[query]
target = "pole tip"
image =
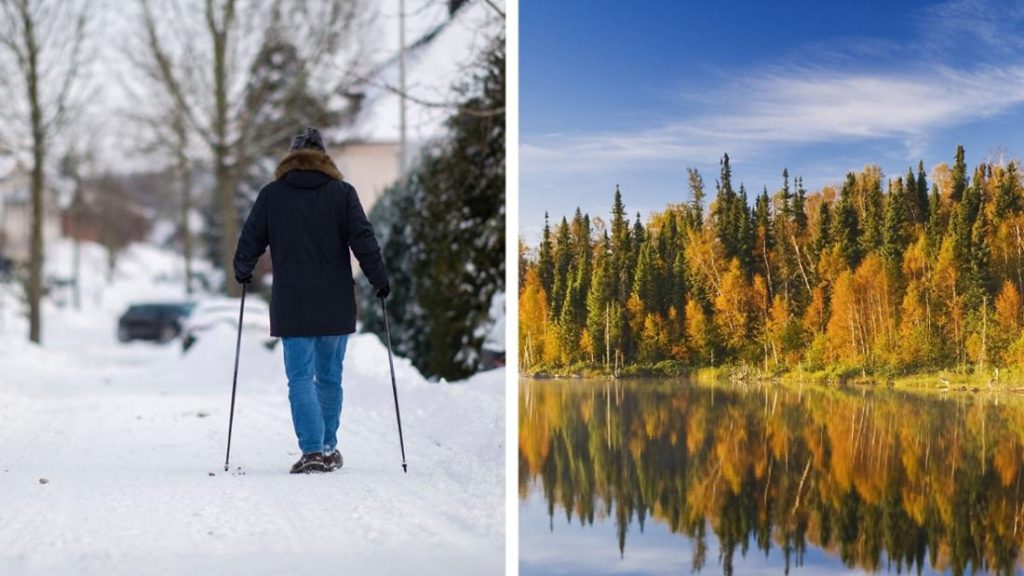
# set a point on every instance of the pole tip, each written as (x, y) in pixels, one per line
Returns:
(405, 468)
(225, 467)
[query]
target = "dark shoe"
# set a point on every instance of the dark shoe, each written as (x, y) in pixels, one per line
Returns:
(312, 462)
(333, 460)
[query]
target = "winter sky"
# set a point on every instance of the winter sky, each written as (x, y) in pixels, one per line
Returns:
(633, 94)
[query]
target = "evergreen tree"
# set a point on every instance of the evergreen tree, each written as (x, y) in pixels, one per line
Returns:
(921, 193)
(599, 297)
(696, 184)
(873, 216)
(783, 229)
(910, 197)
(974, 196)
(637, 238)
(895, 233)
(785, 198)
(545, 260)
(649, 275)
(620, 250)
(442, 234)
(524, 263)
(959, 235)
(744, 231)
(845, 227)
(571, 317)
(980, 283)
(582, 249)
(935, 220)
(959, 176)
(763, 217)
(1007, 202)
(764, 235)
(800, 207)
(563, 259)
(726, 211)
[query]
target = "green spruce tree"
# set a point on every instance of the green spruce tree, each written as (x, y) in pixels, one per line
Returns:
(959, 176)
(545, 260)
(873, 216)
(563, 260)
(921, 195)
(696, 211)
(599, 300)
(895, 233)
(1007, 202)
(800, 207)
(845, 226)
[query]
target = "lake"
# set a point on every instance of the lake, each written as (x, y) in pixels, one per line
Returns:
(667, 476)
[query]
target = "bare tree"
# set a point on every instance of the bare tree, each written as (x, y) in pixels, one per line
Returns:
(41, 55)
(183, 172)
(200, 58)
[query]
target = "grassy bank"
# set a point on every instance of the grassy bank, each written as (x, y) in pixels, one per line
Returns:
(946, 380)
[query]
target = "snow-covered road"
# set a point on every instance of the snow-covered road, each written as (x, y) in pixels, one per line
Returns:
(130, 441)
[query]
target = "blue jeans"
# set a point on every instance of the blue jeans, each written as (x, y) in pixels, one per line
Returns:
(313, 366)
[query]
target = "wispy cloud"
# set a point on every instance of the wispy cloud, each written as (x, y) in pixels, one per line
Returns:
(973, 28)
(789, 105)
(795, 107)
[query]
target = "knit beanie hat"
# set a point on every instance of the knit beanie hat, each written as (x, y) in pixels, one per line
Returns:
(311, 138)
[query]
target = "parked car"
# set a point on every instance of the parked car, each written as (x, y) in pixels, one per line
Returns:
(224, 311)
(160, 321)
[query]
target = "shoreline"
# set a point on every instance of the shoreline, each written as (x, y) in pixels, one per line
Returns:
(942, 381)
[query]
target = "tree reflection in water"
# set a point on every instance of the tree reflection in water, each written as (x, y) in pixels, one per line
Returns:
(880, 479)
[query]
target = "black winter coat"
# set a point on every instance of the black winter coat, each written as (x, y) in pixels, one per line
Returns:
(310, 218)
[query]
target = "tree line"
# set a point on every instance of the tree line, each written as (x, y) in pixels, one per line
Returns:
(888, 275)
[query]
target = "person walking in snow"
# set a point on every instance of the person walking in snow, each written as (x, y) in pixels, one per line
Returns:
(310, 217)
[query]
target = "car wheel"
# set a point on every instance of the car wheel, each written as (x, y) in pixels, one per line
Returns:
(123, 335)
(187, 342)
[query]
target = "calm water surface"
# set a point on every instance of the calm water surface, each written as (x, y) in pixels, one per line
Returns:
(673, 477)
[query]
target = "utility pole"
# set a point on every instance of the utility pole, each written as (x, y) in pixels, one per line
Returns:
(76, 254)
(401, 88)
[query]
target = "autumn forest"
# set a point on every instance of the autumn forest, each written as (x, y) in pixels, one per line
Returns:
(884, 276)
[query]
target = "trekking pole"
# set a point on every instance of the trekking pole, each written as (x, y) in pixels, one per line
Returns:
(234, 383)
(394, 387)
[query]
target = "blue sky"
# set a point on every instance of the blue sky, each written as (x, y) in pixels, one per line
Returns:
(633, 93)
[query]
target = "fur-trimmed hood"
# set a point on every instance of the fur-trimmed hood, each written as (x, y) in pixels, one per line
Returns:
(307, 159)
